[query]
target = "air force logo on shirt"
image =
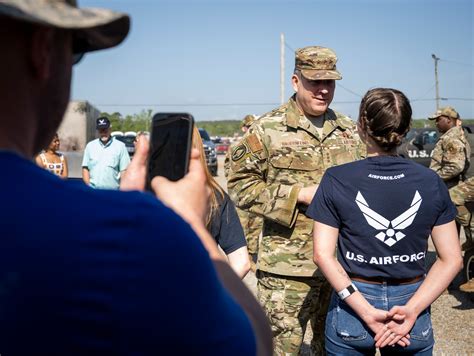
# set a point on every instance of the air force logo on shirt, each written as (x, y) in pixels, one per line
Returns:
(378, 222)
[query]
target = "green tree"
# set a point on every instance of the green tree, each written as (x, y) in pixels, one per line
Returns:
(135, 122)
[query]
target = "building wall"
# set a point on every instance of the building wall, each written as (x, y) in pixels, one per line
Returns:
(78, 126)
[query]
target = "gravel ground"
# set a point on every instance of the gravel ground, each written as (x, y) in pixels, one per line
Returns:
(452, 313)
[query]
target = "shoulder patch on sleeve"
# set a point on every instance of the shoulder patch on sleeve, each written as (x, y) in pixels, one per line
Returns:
(453, 146)
(254, 143)
(238, 152)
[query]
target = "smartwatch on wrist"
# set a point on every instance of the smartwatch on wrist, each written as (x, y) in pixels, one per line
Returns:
(343, 294)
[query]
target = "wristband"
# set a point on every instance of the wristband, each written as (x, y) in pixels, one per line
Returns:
(343, 294)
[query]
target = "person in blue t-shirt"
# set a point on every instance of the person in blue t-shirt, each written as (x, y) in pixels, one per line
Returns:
(379, 212)
(128, 274)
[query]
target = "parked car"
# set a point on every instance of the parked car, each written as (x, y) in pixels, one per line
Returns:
(418, 145)
(116, 133)
(222, 146)
(128, 138)
(210, 151)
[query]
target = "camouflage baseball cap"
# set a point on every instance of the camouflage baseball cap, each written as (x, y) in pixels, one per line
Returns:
(446, 111)
(248, 120)
(317, 63)
(93, 28)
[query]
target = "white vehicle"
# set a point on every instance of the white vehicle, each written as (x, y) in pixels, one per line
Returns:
(128, 138)
(116, 133)
(130, 134)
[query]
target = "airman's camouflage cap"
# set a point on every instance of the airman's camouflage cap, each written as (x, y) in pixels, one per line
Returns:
(93, 28)
(317, 63)
(446, 111)
(248, 120)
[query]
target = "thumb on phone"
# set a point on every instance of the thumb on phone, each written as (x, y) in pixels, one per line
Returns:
(135, 176)
(189, 196)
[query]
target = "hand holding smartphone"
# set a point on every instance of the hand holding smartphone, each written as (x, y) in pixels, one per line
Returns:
(170, 146)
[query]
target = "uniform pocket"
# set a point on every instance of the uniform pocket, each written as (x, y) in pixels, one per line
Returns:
(305, 160)
(347, 324)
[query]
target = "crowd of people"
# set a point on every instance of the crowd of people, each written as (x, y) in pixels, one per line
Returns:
(126, 273)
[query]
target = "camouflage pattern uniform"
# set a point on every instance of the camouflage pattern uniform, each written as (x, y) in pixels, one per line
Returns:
(460, 195)
(251, 222)
(280, 154)
(451, 155)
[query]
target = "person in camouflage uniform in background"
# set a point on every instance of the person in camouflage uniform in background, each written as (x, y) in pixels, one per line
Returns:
(460, 195)
(251, 222)
(275, 172)
(451, 155)
(451, 160)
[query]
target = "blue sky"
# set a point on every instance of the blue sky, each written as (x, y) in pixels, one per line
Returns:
(221, 59)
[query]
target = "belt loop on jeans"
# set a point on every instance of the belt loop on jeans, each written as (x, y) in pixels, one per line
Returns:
(388, 281)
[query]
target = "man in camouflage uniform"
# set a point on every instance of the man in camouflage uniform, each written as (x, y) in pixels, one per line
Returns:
(275, 172)
(451, 155)
(451, 160)
(251, 222)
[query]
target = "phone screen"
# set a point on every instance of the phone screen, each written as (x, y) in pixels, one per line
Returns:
(170, 146)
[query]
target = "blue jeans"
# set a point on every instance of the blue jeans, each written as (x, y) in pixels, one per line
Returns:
(347, 334)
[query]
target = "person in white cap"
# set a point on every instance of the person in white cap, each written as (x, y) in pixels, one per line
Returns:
(111, 283)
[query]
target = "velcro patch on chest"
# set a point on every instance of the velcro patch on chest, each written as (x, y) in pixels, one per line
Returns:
(295, 143)
(254, 143)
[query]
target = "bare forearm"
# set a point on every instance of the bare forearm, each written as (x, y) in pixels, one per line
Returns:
(443, 271)
(437, 280)
(239, 261)
(338, 278)
(65, 172)
(306, 194)
(85, 176)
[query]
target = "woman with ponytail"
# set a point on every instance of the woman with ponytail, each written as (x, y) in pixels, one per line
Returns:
(380, 212)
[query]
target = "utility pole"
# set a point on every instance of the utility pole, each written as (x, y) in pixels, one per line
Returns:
(282, 68)
(436, 59)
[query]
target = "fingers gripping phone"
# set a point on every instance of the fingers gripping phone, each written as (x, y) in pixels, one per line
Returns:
(170, 146)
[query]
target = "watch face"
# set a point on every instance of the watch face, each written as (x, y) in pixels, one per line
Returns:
(343, 294)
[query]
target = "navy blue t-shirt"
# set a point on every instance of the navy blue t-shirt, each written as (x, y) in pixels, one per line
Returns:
(95, 272)
(225, 226)
(385, 208)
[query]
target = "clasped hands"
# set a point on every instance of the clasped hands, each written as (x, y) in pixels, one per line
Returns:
(391, 327)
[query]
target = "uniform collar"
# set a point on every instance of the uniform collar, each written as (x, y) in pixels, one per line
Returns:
(295, 118)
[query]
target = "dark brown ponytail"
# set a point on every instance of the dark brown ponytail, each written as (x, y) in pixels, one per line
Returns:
(385, 114)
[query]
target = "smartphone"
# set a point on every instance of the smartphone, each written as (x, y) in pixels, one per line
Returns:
(170, 146)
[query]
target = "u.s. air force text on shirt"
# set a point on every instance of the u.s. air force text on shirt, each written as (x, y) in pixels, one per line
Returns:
(385, 208)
